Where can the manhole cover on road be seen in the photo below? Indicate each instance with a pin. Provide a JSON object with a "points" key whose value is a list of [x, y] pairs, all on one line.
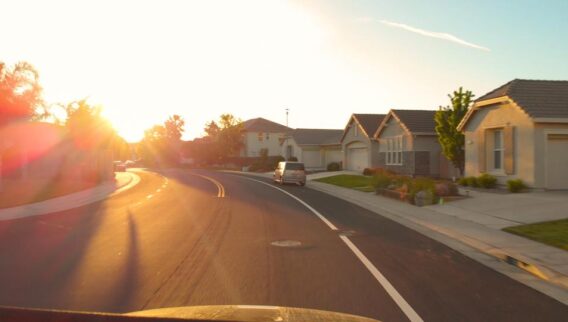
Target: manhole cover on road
{"points": [[286, 243]]}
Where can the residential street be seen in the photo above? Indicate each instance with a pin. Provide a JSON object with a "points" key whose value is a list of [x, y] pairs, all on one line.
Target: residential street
{"points": [[195, 237]]}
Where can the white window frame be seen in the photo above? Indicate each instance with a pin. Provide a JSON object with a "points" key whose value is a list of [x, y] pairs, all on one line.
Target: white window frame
{"points": [[501, 149], [394, 151]]}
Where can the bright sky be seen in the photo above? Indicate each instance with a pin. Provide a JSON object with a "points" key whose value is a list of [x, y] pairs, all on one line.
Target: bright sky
{"points": [[145, 60]]}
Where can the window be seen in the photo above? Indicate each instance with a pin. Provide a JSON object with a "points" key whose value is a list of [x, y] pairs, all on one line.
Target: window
{"points": [[498, 149], [355, 129], [260, 137], [394, 151], [267, 136]]}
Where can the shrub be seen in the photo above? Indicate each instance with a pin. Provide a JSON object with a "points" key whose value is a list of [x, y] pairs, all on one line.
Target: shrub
{"points": [[422, 184], [463, 181], [293, 159], [472, 182], [273, 162], [453, 188], [516, 185], [444, 189], [373, 171], [368, 172], [486, 180], [333, 166], [381, 181], [400, 181]]}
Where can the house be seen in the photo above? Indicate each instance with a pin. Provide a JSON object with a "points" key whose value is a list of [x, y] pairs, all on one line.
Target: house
{"points": [[360, 150], [316, 148], [261, 134], [408, 144], [520, 131]]}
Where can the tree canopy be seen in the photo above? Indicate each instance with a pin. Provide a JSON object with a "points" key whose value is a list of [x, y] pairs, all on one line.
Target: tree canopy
{"points": [[161, 142], [447, 119], [20, 93], [224, 137], [91, 131]]}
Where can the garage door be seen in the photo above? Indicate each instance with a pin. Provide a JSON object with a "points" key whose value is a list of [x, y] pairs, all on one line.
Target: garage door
{"points": [[311, 159], [357, 159], [557, 161]]}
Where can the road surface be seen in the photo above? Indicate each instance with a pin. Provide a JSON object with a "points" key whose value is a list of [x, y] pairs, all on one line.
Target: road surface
{"points": [[193, 237]]}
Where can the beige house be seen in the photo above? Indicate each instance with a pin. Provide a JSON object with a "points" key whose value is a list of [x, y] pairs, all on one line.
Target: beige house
{"points": [[408, 144], [261, 134], [360, 150], [316, 148], [520, 130]]}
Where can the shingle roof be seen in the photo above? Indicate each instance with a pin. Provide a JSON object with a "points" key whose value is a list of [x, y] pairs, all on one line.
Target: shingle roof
{"points": [[316, 136], [417, 121], [369, 122], [538, 98], [263, 125]]}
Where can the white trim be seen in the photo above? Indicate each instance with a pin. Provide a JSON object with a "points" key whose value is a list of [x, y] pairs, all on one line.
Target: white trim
{"points": [[394, 155], [501, 149]]}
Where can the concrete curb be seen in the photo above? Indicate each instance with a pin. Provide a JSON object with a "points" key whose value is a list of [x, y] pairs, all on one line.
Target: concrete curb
{"points": [[70, 201]]}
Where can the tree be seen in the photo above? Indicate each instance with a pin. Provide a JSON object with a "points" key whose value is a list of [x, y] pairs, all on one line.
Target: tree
{"points": [[87, 127], [225, 137], [161, 143], [20, 93], [174, 126], [447, 119]]}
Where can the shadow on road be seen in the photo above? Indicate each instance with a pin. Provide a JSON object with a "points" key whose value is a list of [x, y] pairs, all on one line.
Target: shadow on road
{"points": [[40, 255], [127, 279]]}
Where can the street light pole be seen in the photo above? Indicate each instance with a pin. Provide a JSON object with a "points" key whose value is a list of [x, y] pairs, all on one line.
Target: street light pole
{"points": [[287, 110]]}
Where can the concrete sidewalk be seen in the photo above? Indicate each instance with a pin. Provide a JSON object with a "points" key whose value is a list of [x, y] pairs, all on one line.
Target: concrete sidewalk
{"points": [[124, 181], [484, 235]]}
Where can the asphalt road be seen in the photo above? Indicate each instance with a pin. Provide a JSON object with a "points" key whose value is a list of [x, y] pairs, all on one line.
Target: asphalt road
{"points": [[174, 240]]}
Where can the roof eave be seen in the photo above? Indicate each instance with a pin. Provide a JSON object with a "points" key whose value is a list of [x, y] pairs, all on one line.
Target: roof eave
{"points": [[479, 104], [551, 120]]}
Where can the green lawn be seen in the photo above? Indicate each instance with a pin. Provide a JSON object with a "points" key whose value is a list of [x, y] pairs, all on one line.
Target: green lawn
{"points": [[553, 233], [361, 183]]}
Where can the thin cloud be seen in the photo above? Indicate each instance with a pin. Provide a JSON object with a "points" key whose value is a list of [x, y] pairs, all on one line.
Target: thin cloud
{"points": [[433, 34]]}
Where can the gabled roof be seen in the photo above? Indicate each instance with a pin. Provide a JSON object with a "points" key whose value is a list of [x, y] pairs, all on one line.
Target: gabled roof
{"points": [[368, 122], [263, 125], [413, 121], [540, 99], [316, 136]]}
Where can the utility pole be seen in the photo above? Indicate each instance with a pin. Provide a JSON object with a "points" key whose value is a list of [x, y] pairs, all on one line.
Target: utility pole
{"points": [[287, 110]]}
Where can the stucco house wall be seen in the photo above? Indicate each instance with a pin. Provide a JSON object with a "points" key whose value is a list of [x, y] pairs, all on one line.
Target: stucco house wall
{"points": [[255, 141], [499, 116]]}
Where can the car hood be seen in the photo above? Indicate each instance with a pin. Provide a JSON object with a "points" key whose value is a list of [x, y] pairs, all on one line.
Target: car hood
{"points": [[249, 313]]}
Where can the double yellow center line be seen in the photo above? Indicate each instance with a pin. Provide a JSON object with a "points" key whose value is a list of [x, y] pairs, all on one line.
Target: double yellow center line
{"points": [[220, 188]]}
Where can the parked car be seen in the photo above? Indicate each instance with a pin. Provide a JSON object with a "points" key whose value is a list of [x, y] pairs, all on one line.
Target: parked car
{"points": [[290, 172], [130, 164], [119, 166]]}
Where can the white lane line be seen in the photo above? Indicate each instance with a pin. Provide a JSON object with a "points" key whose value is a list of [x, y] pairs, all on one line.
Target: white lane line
{"points": [[400, 301], [149, 196], [320, 216], [158, 190], [387, 286]]}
